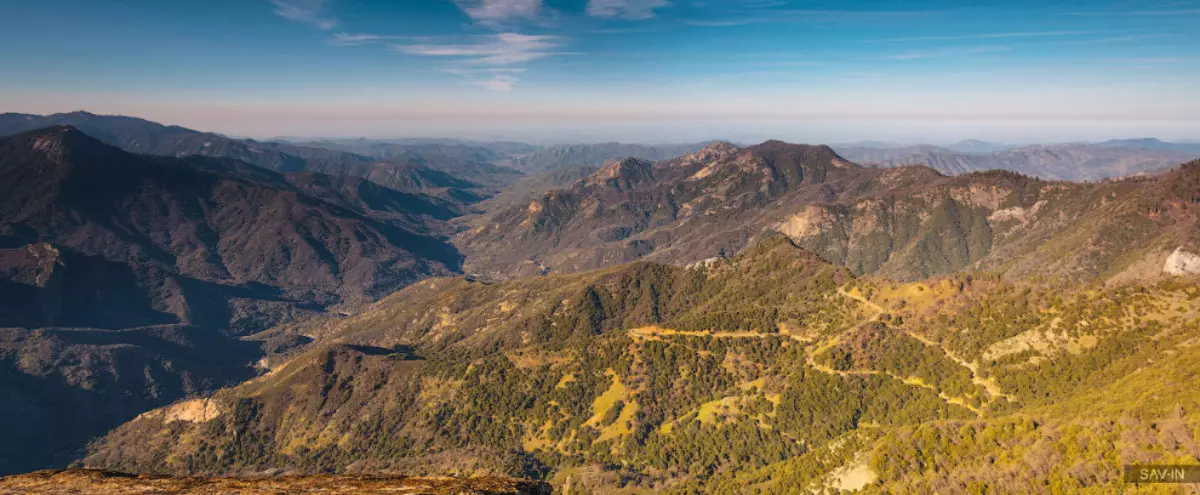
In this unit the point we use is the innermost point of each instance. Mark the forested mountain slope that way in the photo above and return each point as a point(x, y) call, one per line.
point(772, 371)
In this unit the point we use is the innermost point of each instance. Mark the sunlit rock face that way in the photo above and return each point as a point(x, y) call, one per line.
point(1182, 263)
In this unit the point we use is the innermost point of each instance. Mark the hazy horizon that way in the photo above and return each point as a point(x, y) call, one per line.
point(617, 70)
point(896, 133)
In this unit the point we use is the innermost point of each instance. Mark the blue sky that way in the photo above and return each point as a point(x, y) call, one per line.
point(635, 70)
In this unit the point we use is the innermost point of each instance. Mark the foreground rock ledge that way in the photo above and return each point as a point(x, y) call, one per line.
point(81, 481)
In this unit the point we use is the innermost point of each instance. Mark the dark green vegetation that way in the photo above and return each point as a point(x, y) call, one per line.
point(772, 371)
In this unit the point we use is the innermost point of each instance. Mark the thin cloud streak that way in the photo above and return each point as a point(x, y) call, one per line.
point(498, 11)
point(348, 39)
point(487, 60)
point(305, 11)
point(501, 77)
point(1148, 60)
point(721, 22)
point(790, 14)
point(949, 52)
point(500, 49)
point(856, 13)
point(633, 10)
point(984, 36)
point(1118, 39)
point(500, 83)
point(1139, 13)
point(458, 71)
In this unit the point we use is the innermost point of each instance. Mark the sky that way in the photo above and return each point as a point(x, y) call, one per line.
point(628, 70)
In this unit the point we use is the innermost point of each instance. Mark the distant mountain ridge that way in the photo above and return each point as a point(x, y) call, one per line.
point(1154, 144)
point(478, 169)
point(1071, 162)
point(586, 155)
point(409, 174)
point(498, 147)
point(978, 146)
point(469, 160)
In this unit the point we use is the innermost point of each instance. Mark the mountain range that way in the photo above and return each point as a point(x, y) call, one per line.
point(1153, 144)
point(708, 319)
point(1071, 162)
point(584, 155)
point(476, 161)
point(448, 178)
point(132, 247)
point(772, 370)
point(906, 223)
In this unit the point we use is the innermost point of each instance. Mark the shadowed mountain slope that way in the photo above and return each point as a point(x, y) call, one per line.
point(409, 173)
point(60, 388)
point(126, 278)
point(193, 240)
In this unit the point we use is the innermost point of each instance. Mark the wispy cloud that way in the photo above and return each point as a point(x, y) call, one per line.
point(1148, 60)
point(485, 60)
point(982, 36)
point(501, 82)
point(948, 52)
point(1140, 13)
point(789, 15)
point(856, 13)
point(460, 71)
point(634, 10)
point(763, 4)
point(491, 50)
point(723, 22)
point(305, 11)
point(498, 11)
point(1118, 39)
point(795, 63)
point(494, 78)
point(348, 39)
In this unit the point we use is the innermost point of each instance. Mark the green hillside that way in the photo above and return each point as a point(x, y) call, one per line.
point(772, 371)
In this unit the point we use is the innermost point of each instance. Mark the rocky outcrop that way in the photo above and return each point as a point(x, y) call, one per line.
point(191, 411)
point(1182, 262)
